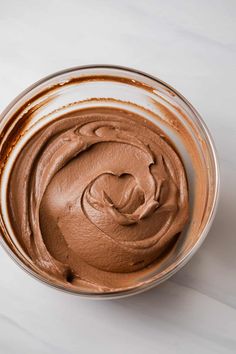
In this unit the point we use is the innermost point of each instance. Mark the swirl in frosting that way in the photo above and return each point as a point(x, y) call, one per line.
point(97, 196)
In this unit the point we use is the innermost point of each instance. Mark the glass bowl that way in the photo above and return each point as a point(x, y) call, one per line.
point(129, 89)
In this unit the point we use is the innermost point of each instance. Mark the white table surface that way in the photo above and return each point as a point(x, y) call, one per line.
point(192, 46)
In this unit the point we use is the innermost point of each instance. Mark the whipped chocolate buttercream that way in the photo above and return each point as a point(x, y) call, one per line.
point(97, 197)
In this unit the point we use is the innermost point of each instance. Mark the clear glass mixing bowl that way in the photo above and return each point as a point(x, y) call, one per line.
point(110, 86)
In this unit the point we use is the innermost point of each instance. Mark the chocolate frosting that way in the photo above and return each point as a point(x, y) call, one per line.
point(97, 196)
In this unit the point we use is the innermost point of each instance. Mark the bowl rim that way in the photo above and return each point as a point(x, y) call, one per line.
point(151, 282)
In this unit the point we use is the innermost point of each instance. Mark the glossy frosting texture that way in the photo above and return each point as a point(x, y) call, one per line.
point(97, 196)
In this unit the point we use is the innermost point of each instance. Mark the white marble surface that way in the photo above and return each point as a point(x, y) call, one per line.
point(192, 46)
